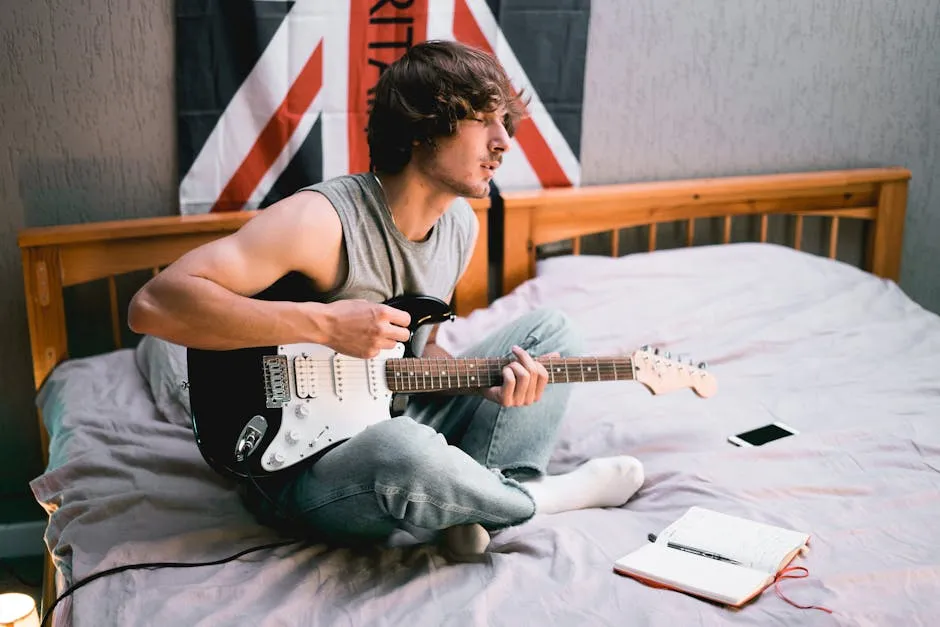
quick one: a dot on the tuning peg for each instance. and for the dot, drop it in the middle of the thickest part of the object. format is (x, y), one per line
(656, 351)
(702, 365)
(667, 355)
(645, 348)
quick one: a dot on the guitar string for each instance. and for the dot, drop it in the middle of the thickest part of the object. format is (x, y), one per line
(430, 368)
(417, 374)
(414, 380)
(425, 364)
(602, 369)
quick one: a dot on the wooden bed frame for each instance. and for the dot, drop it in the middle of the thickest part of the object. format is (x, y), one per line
(58, 257)
(879, 195)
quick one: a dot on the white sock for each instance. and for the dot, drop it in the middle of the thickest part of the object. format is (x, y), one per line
(463, 542)
(601, 482)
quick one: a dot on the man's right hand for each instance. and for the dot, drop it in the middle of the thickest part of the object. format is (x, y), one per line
(361, 329)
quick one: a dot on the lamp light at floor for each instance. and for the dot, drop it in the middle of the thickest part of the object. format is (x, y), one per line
(18, 610)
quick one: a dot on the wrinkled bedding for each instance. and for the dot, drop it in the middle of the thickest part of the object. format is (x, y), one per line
(842, 356)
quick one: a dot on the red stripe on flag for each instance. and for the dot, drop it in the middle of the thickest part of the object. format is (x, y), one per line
(376, 40)
(275, 135)
(537, 150)
(540, 155)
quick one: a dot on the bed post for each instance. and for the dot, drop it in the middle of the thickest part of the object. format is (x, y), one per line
(888, 231)
(472, 291)
(45, 310)
(518, 250)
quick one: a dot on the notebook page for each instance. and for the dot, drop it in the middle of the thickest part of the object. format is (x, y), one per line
(756, 545)
(699, 575)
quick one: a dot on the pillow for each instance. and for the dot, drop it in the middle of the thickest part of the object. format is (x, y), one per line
(645, 298)
(163, 365)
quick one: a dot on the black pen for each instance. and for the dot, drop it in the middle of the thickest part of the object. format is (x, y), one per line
(681, 547)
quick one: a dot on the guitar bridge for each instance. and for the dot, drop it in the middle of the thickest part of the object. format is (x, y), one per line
(276, 381)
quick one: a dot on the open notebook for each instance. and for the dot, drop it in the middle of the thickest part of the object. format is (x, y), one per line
(715, 556)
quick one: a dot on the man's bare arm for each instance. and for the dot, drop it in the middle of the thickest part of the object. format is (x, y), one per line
(202, 300)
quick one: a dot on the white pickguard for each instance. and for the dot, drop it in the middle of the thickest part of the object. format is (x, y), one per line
(344, 396)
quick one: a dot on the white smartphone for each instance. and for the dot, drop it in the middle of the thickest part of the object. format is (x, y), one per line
(763, 435)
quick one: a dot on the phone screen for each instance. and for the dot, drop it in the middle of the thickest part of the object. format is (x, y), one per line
(763, 435)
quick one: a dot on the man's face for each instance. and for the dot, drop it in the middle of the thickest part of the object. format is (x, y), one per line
(464, 164)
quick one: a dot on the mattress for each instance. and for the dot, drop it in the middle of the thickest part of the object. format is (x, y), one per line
(844, 357)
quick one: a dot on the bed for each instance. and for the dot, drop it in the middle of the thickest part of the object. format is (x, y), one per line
(839, 352)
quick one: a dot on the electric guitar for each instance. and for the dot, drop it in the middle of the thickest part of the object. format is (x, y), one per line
(259, 411)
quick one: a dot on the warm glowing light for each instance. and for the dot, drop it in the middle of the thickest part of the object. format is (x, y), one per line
(18, 610)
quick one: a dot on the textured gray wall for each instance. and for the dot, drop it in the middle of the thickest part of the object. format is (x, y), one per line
(86, 134)
(683, 88)
(674, 89)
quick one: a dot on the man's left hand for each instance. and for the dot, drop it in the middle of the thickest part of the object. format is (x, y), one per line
(524, 380)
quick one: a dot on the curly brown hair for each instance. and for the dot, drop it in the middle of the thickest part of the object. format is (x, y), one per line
(421, 97)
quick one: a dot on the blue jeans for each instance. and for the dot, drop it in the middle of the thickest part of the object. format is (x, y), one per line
(449, 460)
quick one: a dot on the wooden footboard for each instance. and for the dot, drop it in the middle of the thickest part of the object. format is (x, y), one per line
(55, 258)
(877, 196)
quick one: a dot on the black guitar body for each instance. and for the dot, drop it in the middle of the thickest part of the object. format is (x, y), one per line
(233, 420)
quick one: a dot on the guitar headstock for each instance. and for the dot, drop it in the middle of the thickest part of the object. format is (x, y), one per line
(661, 374)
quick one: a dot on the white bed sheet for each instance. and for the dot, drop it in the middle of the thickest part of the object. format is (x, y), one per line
(844, 357)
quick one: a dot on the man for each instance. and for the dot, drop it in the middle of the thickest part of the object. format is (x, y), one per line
(461, 465)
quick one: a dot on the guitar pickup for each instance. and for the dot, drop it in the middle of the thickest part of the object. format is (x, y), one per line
(305, 376)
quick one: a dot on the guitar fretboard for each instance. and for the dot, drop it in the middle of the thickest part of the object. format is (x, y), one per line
(435, 374)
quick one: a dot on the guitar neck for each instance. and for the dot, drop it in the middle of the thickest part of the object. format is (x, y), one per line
(445, 373)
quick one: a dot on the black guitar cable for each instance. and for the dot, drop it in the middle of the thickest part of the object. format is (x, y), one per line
(154, 565)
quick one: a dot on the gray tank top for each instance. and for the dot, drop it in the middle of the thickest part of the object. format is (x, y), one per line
(382, 262)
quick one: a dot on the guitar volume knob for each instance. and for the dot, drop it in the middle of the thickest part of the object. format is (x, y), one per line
(302, 411)
(293, 436)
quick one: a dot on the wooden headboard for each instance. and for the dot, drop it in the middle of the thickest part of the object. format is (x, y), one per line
(878, 196)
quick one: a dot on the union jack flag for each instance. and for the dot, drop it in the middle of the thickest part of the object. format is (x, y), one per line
(273, 95)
